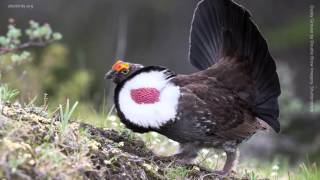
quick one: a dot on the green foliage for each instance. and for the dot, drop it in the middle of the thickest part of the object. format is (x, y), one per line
(75, 87)
(12, 38)
(49, 74)
(42, 33)
(7, 94)
(16, 58)
(307, 172)
(65, 115)
(127, 133)
(37, 35)
(251, 175)
(177, 172)
(11, 44)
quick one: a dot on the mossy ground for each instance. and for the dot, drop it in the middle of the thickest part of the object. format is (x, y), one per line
(35, 146)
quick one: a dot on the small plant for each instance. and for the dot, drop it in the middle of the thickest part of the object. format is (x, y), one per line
(251, 175)
(11, 45)
(308, 172)
(275, 169)
(177, 172)
(7, 94)
(65, 115)
(127, 133)
(38, 35)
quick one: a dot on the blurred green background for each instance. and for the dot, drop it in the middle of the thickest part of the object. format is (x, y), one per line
(153, 32)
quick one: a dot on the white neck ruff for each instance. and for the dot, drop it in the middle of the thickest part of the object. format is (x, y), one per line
(150, 115)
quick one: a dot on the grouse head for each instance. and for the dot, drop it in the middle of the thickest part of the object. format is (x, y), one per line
(122, 70)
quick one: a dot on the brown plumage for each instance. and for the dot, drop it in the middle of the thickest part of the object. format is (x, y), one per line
(233, 96)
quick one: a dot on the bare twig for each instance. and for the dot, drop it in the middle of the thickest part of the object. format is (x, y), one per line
(4, 50)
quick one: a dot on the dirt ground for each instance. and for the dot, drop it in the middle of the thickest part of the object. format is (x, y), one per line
(36, 146)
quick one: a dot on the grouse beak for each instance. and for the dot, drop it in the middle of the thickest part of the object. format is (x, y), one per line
(110, 74)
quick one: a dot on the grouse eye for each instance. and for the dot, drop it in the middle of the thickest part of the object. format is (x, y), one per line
(125, 71)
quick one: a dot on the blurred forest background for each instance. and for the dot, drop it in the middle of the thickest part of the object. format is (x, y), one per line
(155, 32)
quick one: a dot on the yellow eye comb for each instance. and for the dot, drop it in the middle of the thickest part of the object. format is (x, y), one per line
(120, 65)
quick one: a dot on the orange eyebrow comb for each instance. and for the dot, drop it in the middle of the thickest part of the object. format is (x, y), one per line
(120, 65)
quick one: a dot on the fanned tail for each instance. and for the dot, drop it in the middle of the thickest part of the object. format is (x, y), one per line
(222, 28)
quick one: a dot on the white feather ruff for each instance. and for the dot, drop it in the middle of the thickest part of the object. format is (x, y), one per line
(150, 115)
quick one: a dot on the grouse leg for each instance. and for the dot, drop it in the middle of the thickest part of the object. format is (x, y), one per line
(231, 161)
(187, 153)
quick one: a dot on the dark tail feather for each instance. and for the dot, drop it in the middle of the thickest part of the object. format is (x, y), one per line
(223, 28)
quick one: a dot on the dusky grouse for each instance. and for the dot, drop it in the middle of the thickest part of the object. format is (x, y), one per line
(234, 95)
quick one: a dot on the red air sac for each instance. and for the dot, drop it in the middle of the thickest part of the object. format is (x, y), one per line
(145, 95)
